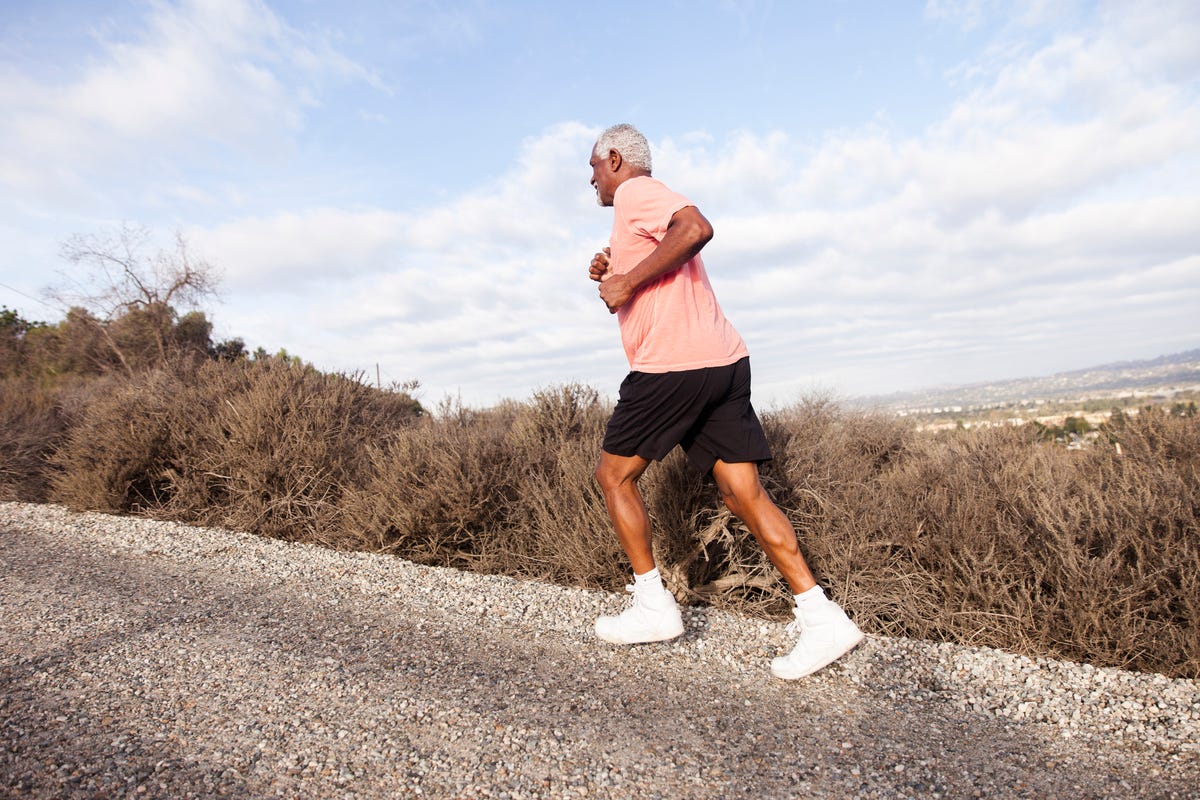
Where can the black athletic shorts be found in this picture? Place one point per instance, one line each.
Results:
(706, 411)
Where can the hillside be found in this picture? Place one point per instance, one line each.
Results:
(1165, 378)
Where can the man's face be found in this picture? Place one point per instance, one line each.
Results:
(604, 176)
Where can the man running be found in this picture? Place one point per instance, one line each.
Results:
(689, 385)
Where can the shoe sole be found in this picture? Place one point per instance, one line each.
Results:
(791, 676)
(666, 637)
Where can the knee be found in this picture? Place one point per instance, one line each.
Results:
(731, 502)
(603, 476)
(608, 478)
(617, 474)
(751, 504)
(743, 497)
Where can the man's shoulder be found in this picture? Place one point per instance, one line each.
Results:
(642, 183)
(644, 189)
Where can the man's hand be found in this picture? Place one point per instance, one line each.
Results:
(598, 271)
(687, 233)
(616, 291)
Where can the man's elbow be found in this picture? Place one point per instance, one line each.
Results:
(699, 230)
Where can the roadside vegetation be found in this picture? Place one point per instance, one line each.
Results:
(992, 536)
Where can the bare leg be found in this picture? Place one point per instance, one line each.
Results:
(618, 476)
(744, 495)
(826, 633)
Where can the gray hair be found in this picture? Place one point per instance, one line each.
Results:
(626, 140)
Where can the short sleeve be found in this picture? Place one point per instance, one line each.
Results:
(648, 205)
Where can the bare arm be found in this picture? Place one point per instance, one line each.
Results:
(686, 235)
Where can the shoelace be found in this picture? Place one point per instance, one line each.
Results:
(638, 602)
(796, 626)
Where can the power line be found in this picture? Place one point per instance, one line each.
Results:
(34, 299)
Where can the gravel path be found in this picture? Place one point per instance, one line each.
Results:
(151, 659)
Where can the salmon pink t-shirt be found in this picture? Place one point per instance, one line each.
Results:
(674, 323)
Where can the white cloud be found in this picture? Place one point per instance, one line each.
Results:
(469, 294)
(533, 215)
(1050, 212)
(287, 251)
(972, 14)
(1054, 196)
(224, 72)
(1045, 213)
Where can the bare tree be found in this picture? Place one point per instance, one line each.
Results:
(133, 298)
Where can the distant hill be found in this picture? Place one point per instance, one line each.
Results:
(1164, 373)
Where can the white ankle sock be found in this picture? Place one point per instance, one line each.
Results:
(814, 595)
(648, 580)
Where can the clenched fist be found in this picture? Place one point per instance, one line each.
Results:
(598, 271)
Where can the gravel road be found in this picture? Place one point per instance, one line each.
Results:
(152, 659)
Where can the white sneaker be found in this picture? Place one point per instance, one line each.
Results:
(653, 617)
(826, 634)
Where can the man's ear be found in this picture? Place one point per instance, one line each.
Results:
(615, 161)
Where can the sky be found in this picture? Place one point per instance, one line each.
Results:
(904, 194)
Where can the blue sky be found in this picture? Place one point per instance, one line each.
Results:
(904, 194)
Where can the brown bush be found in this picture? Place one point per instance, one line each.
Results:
(433, 490)
(263, 446)
(558, 526)
(507, 490)
(829, 464)
(32, 423)
(118, 452)
(988, 537)
(993, 538)
(282, 446)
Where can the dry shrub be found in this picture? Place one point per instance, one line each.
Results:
(557, 527)
(266, 446)
(986, 537)
(508, 490)
(434, 489)
(695, 538)
(32, 423)
(282, 446)
(994, 538)
(944, 519)
(117, 454)
(1156, 438)
(826, 474)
